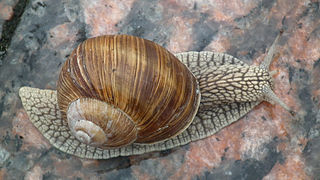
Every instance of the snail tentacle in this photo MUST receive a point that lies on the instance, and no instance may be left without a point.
(273, 72)
(271, 52)
(272, 98)
(268, 93)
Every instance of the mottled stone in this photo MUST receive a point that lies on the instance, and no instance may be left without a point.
(95, 13)
(3, 174)
(4, 156)
(35, 173)
(312, 158)
(6, 12)
(268, 143)
(30, 135)
(10, 15)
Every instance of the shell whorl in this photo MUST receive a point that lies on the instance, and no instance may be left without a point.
(136, 76)
(98, 124)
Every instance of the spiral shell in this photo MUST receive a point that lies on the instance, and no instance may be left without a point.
(127, 88)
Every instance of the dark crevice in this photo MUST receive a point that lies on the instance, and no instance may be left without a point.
(9, 27)
(81, 34)
(1, 105)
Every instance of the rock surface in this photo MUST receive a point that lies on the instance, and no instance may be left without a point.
(268, 143)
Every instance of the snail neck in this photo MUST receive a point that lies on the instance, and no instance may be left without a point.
(99, 124)
(233, 83)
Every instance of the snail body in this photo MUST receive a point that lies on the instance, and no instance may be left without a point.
(122, 95)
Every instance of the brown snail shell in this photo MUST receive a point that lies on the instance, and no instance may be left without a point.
(120, 89)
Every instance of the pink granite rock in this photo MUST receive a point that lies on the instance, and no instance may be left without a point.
(267, 143)
(35, 173)
(23, 127)
(6, 11)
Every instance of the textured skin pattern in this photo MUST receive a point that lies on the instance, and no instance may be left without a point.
(232, 83)
(42, 108)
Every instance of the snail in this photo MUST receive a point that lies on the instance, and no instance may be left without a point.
(121, 95)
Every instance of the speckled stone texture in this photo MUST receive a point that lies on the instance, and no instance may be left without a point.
(268, 143)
